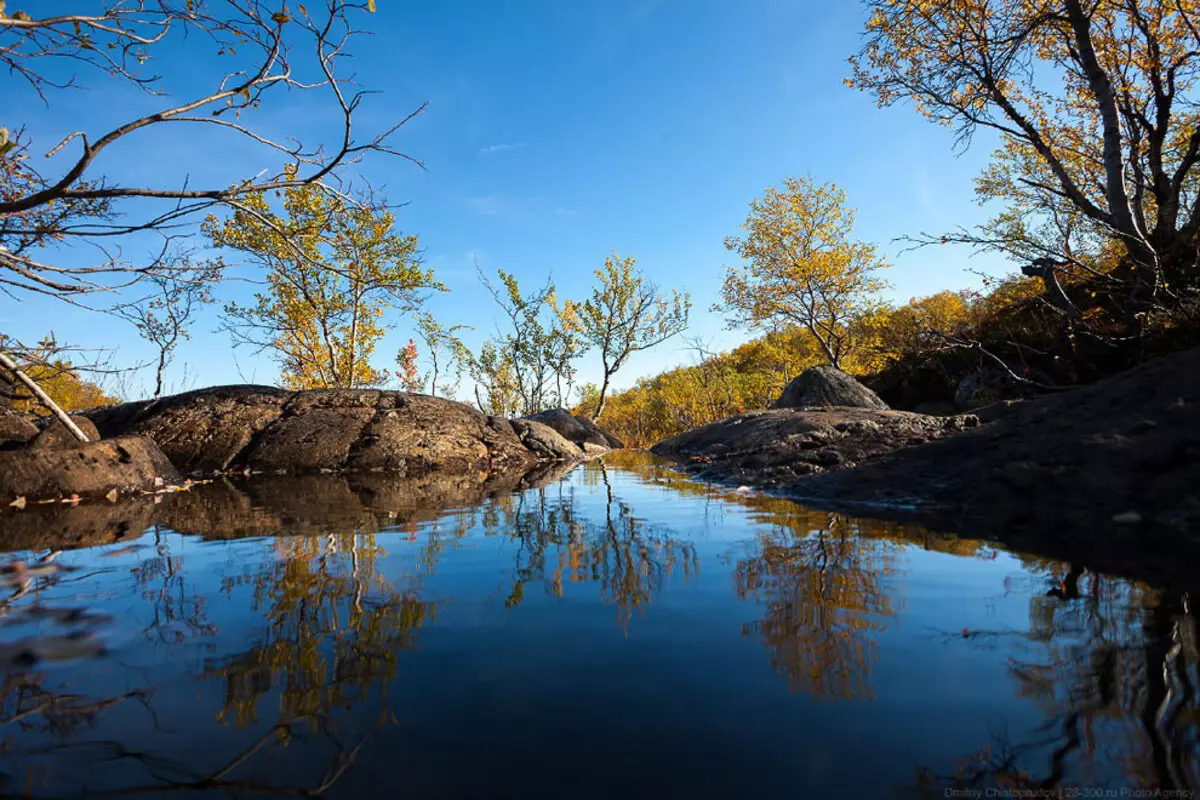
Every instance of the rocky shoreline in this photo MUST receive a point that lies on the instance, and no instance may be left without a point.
(1107, 473)
(143, 446)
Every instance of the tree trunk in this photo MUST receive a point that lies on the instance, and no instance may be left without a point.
(603, 396)
(158, 375)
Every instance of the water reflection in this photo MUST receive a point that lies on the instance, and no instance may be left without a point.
(1112, 666)
(825, 599)
(297, 660)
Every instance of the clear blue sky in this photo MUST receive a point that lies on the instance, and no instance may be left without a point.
(560, 131)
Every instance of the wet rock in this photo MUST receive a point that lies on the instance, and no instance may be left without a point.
(84, 468)
(579, 430)
(817, 387)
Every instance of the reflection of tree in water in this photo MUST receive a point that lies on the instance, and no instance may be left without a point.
(178, 611)
(626, 557)
(1114, 667)
(821, 583)
(334, 628)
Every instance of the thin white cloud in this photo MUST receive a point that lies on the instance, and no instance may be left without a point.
(499, 148)
(565, 212)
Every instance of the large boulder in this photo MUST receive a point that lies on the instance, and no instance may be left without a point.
(200, 431)
(545, 442)
(268, 429)
(819, 387)
(127, 463)
(580, 430)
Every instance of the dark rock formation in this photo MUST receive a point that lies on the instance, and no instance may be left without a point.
(1107, 473)
(269, 429)
(1120, 457)
(580, 430)
(84, 468)
(16, 429)
(545, 442)
(818, 387)
(774, 447)
(55, 434)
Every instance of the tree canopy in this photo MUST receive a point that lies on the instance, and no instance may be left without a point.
(804, 268)
(1096, 109)
(333, 267)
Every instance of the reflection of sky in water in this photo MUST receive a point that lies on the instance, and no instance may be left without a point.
(675, 640)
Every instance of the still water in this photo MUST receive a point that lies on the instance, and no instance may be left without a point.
(617, 631)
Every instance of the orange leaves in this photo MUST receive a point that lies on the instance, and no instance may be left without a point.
(409, 374)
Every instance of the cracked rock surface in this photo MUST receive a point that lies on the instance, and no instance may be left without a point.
(276, 430)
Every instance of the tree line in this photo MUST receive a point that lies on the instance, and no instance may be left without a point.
(1094, 183)
(335, 272)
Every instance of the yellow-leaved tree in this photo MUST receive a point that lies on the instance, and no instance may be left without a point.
(1094, 102)
(625, 315)
(803, 267)
(334, 267)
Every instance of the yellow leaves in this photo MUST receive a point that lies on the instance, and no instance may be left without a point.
(804, 269)
(333, 270)
(371, 6)
(65, 386)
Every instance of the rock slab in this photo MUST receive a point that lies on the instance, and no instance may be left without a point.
(774, 447)
(126, 463)
(274, 430)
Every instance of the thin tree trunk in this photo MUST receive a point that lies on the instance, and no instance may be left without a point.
(42, 397)
(158, 375)
(603, 396)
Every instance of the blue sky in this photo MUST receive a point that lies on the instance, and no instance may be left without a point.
(558, 131)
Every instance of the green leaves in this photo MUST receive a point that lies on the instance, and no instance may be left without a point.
(6, 144)
(334, 268)
(625, 314)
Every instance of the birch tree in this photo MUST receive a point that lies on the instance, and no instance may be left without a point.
(804, 268)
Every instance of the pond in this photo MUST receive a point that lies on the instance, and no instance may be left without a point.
(615, 631)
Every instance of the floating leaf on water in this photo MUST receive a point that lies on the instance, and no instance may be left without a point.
(19, 503)
(112, 496)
